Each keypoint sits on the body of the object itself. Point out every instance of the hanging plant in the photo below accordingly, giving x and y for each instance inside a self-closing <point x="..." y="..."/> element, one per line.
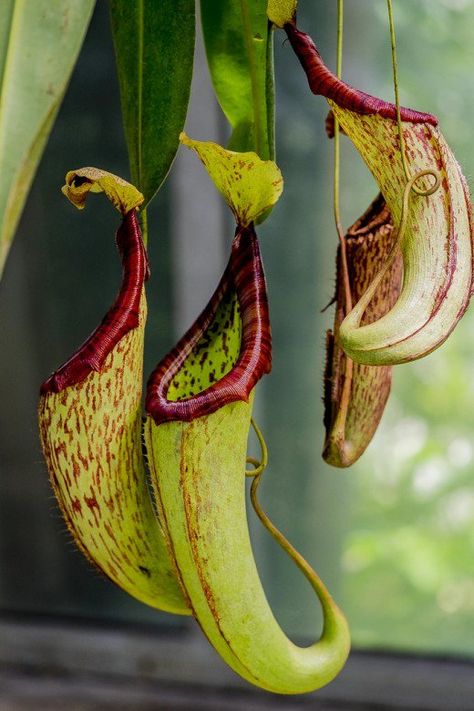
<point x="403" y="281"/>
<point x="429" y="203"/>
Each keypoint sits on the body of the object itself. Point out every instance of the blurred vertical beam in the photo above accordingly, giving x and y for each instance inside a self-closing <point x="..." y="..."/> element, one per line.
<point x="199" y="238"/>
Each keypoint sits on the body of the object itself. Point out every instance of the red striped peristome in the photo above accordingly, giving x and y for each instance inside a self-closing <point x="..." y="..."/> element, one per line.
<point x="323" y="82"/>
<point x="121" y="318"/>
<point x="244" y="274"/>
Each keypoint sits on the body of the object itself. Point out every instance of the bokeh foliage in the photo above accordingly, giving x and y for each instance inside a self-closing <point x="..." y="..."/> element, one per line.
<point x="409" y="546"/>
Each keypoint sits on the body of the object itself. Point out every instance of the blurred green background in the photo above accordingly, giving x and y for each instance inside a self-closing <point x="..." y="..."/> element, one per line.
<point x="393" y="537"/>
<point x="394" y="534"/>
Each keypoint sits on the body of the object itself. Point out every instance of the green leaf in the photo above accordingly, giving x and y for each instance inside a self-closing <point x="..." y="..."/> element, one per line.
<point x="154" y="49"/>
<point x="250" y="186"/>
<point x="239" y="46"/>
<point x="39" y="44"/>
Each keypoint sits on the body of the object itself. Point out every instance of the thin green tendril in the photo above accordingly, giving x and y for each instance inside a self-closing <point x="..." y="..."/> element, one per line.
<point x="144" y="226"/>
<point x="410" y="186"/>
<point x="309" y="573"/>
<point x="359" y="309"/>
<point x="424" y="192"/>
<point x="336" y="181"/>
<point x="339" y="424"/>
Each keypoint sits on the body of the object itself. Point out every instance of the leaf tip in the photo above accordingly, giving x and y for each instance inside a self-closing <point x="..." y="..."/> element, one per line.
<point x="249" y="184"/>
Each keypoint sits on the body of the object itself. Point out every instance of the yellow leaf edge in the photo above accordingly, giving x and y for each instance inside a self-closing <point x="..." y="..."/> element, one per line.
<point x="82" y="181"/>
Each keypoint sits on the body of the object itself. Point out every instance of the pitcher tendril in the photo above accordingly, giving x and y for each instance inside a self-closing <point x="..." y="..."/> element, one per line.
<point x="259" y="465"/>
<point x="337" y="213"/>
<point x="303" y="565"/>
<point x="355" y="316"/>
<point x="423" y="192"/>
<point x="410" y="187"/>
<point x="411" y="180"/>
<point x="340" y="421"/>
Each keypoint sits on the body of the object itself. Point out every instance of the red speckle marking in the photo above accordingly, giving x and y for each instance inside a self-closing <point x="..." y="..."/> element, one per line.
<point x="76" y="506"/>
<point x="91" y="502"/>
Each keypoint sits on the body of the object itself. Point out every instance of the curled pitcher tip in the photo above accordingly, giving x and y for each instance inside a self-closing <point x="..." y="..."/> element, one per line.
<point x="80" y="182"/>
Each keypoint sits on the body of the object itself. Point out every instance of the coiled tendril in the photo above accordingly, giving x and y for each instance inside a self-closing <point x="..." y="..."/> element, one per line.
<point x="411" y="186"/>
<point x="259" y="467"/>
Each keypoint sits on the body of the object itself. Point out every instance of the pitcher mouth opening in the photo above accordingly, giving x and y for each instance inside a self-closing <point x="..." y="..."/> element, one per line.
<point x="227" y="349"/>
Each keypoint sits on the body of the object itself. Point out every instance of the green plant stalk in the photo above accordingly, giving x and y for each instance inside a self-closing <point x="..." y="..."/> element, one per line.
<point x="256" y="89"/>
<point x="270" y="93"/>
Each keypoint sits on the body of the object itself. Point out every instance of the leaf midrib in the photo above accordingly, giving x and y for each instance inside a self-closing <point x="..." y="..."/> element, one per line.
<point x="12" y="36"/>
<point x="140" y="93"/>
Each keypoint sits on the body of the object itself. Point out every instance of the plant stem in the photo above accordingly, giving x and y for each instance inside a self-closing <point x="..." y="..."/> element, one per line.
<point x="256" y="90"/>
<point x="138" y="177"/>
<point x="144" y="224"/>
<point x="340" y="421"/>
<point x="270" y="95"/>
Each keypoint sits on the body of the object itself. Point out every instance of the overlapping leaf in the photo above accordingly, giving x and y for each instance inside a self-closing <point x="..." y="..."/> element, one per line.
<point x="39" y="44"/>
<point x="239" y="47"/>
<point x="154" y="49"/>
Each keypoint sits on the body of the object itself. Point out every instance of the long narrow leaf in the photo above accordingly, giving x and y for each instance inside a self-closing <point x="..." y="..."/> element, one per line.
<point x="39" y="44"/>
<point x="154" y="49"/>
<point x="239" y="47"/>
